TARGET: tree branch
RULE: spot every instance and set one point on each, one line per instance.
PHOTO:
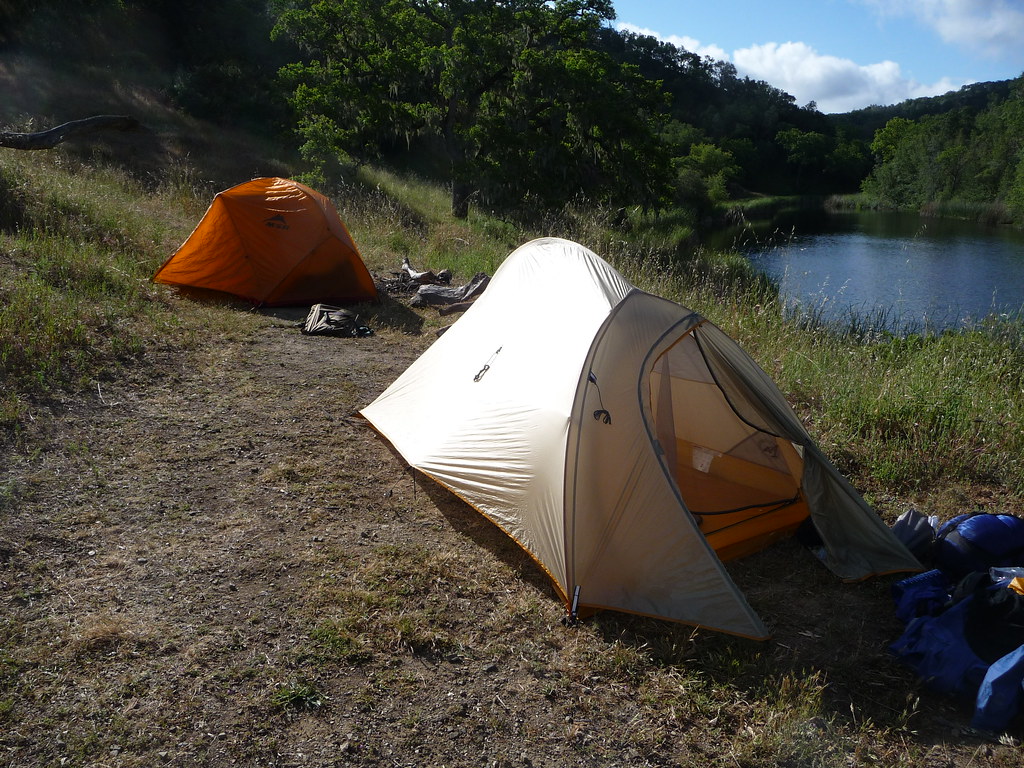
(54, 136)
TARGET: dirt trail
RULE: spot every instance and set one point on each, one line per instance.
(178, 551)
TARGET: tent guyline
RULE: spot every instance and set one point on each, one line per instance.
(606, 507)
(487, 366)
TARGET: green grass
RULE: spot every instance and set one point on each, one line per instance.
(394, 217)
(989, 213)
(767, 206)
(297, 695)
(909, 412)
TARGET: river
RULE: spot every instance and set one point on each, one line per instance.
(902, 271)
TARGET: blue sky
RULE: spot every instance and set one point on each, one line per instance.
(845, 54)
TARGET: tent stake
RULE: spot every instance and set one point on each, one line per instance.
(574, 612)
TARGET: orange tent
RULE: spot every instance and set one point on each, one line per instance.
(274, 242)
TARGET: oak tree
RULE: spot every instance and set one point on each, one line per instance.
(515, 91)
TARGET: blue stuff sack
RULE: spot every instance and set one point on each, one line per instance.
(1001, 692)
(934, 647)
(924, 594)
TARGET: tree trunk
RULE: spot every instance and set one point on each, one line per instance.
(54, 136)
(461, 192)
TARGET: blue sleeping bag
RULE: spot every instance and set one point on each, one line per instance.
(978, 541)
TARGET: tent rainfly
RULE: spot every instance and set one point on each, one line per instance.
(624, 441)
(274, 242)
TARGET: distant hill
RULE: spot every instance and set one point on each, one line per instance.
(862, 123)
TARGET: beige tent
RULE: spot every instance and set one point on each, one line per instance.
(625, 442)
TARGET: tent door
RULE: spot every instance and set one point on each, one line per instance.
(740, 482)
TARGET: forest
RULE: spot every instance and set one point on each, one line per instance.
(525, 107)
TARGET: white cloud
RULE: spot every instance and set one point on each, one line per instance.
(993, 27)
(687, 43)
(835, 84)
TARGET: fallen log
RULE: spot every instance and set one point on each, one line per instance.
(50, 138)
(427, 277)
(452, 309)
(439, 295)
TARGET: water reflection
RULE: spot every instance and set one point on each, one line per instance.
(919, 274)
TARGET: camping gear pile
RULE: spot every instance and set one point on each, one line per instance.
(447, 299)
(327, 320)
(624, 441)
(409, 280)
(964, 618)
